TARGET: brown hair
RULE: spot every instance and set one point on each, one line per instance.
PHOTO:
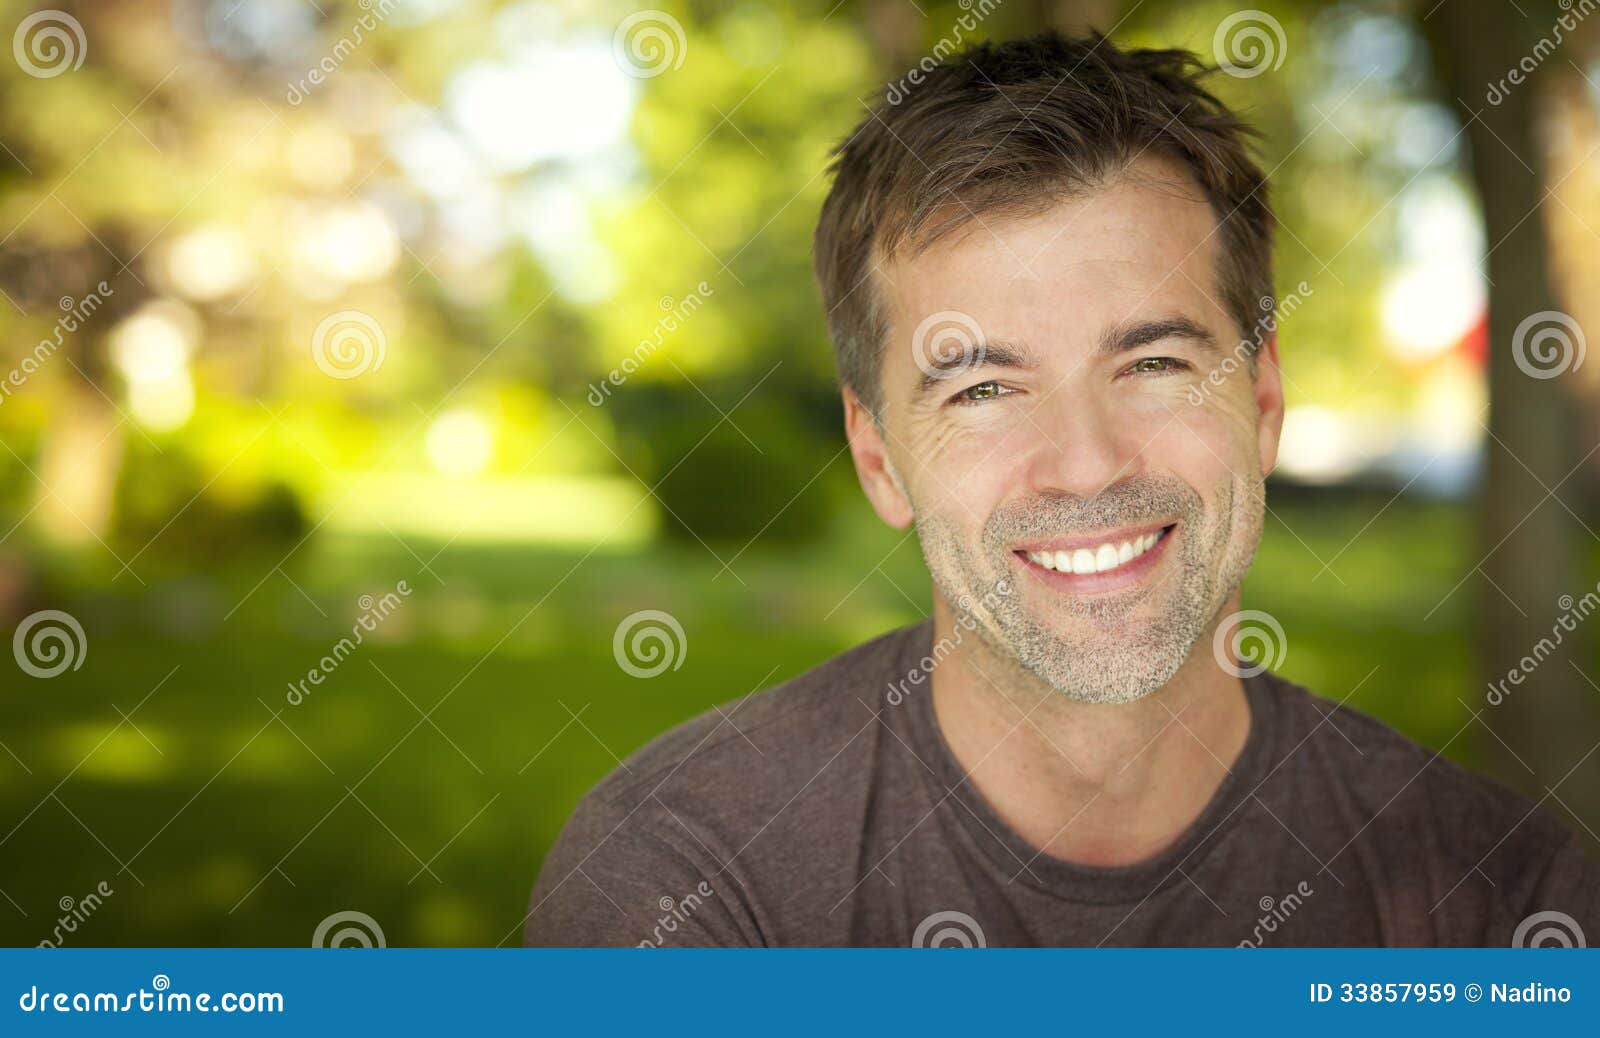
(1013, 127)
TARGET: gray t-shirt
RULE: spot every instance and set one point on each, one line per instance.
(829, 811)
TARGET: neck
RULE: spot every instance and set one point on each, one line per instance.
(1095, 784)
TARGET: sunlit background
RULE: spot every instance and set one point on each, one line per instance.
(478, 327)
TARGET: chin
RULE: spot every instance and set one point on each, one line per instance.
(1106, 678)
(1094, 673)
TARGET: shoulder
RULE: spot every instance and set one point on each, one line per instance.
(710, 807)
(1399, 792)
(769, 738)
(713, 783)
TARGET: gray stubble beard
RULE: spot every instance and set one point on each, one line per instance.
(1121, 658)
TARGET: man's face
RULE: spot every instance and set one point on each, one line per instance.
(1084, 481)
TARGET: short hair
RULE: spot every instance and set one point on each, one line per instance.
(1015, 127)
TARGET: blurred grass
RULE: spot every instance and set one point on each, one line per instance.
(245, 829)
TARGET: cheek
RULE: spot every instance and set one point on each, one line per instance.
(1209, 447)
(1213, 449)
(1223, 425)
(951, 547)
(1150, 411)
(965, 462)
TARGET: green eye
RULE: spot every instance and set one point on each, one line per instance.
(1158, 366)
(980, 392)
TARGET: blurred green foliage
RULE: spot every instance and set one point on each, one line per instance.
(212, 506)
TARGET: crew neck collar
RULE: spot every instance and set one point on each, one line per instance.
(1006, 850)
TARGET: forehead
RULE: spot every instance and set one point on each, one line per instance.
(1142, 243)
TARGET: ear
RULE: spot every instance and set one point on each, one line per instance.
(873, 467)
(1269, 403)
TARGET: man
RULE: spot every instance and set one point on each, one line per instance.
(1048, 280)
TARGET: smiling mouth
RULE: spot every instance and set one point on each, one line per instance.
(1105, 557)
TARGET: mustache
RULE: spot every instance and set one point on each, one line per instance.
(1130, 502)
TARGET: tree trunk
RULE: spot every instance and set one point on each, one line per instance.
(1530, 572)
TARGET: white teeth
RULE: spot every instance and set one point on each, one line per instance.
(1106, 557)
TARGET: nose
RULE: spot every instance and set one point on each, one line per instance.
(1077, 447)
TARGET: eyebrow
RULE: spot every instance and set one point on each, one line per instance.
(1132, 335)
(995, 353)
(1000, 353)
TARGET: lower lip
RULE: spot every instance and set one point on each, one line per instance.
(1124, 576)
